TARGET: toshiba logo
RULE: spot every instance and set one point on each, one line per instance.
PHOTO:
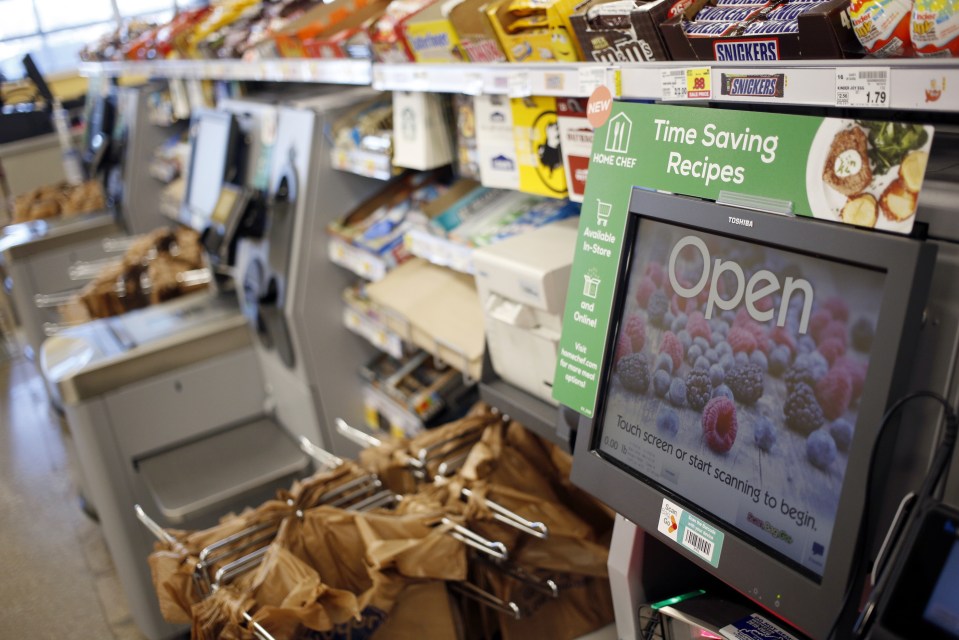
(742, 222)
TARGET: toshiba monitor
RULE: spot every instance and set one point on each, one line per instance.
(749, 360)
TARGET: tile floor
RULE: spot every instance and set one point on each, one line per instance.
(57, 580)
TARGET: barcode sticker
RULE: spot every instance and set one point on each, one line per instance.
(862, 87)
(700, 545)
(691, 532)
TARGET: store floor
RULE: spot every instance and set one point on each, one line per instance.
(57, 580)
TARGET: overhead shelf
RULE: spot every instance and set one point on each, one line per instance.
(909, 84)
(343, 71)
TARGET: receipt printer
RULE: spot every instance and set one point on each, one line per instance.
(522, 283)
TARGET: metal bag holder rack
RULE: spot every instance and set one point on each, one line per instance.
(222, 561)
(86, 270)
(451, 455)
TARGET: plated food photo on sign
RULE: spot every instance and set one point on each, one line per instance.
(867, 173)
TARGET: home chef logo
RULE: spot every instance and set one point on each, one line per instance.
(763, 283)
(747, 50)
(619, 129)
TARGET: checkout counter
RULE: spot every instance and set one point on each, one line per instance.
(200, 406)
(46, 260)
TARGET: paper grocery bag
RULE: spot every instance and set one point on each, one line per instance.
(220, 616)
(290, 596)
(424, 611)
(172, 570)
(415, 545)
(584, 605)
(389, 462)
(309, 491)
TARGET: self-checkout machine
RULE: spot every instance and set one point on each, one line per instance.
(168, 406)
(46, 261)
(732, 366)
(287, 280)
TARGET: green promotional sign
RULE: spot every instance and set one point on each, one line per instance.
(849, 171)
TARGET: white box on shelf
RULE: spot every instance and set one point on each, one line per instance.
(495, 146)
(422, 137)
(522, 283)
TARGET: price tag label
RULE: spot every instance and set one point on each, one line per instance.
(687, 84)
(420, 80)
(473, 84)
(589, 79)
(862, 87)
(518, 85)
(379, 78)
(496, 83)
(673, 84)
(698, 84)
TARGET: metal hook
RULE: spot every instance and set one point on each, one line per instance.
(471, 591)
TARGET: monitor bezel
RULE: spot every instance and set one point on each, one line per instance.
(230, 170)
(777, 587)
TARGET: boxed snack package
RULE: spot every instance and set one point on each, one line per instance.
(522, 28)
(422, 135)
(576, 137)
(376, 227)
(474, 30)
(431, 35)
(223, 15)
(290, 39)
(389, 45)
(778, 31)
(348, 38)
(495, 147)
(467, 154)
(512, 214)
(538, 150)
(562, 36)
(623, 30)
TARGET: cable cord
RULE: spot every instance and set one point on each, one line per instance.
(933, 476)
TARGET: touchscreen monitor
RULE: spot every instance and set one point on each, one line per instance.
(737, 381)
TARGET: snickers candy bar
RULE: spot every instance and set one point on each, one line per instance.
(725, 14)
(771, 28)
(741, 3)
(709, 29)
(786, 11)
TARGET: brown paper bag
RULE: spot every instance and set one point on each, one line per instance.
(424, 611)
(172, 570)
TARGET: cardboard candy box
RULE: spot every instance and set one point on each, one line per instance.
(475, 32)
(623, 37)
(822, 31)
(534, 30)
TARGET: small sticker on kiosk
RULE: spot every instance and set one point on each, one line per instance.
(691, 532)
(770, 85)
(754, 627)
